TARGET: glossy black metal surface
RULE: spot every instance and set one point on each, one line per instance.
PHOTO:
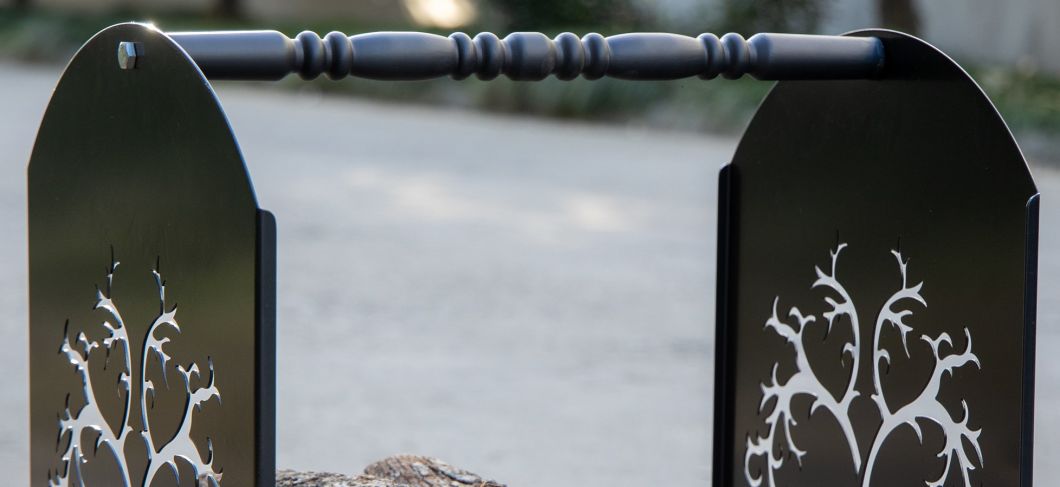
(918, 163)
(139, 166)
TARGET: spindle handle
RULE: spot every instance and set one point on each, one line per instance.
(270, 55)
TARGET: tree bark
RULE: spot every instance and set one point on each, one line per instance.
(396, 471)
(228, 8)
(899, 15)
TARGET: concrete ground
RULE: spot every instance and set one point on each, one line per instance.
(531, 300)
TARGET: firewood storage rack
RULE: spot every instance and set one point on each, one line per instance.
(875, 179)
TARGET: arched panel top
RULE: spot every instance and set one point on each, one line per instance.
(160, 116)
(922, 103)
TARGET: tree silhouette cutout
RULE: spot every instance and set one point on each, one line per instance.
(86, 429)
(804, 382)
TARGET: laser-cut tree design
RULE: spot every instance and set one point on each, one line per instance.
(87, 429)
(804, 382)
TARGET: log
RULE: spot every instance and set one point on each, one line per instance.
(396, 471)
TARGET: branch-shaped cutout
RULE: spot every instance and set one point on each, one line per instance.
(88, 420)
(925, 408)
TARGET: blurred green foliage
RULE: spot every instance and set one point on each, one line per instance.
(690, 104)
(1029, 100)
(523, 15)
(52, 35)
(752, 16)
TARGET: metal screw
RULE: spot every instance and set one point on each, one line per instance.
(127, 54)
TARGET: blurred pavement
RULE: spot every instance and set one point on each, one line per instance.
(531, 300)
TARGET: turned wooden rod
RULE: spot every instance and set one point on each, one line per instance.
(270, 55)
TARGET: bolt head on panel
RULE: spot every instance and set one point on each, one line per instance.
(127, 54)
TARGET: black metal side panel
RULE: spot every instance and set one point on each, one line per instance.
(723, 338)
(1030, 323)
(265, 378)
(879, 299)
(150, 280)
